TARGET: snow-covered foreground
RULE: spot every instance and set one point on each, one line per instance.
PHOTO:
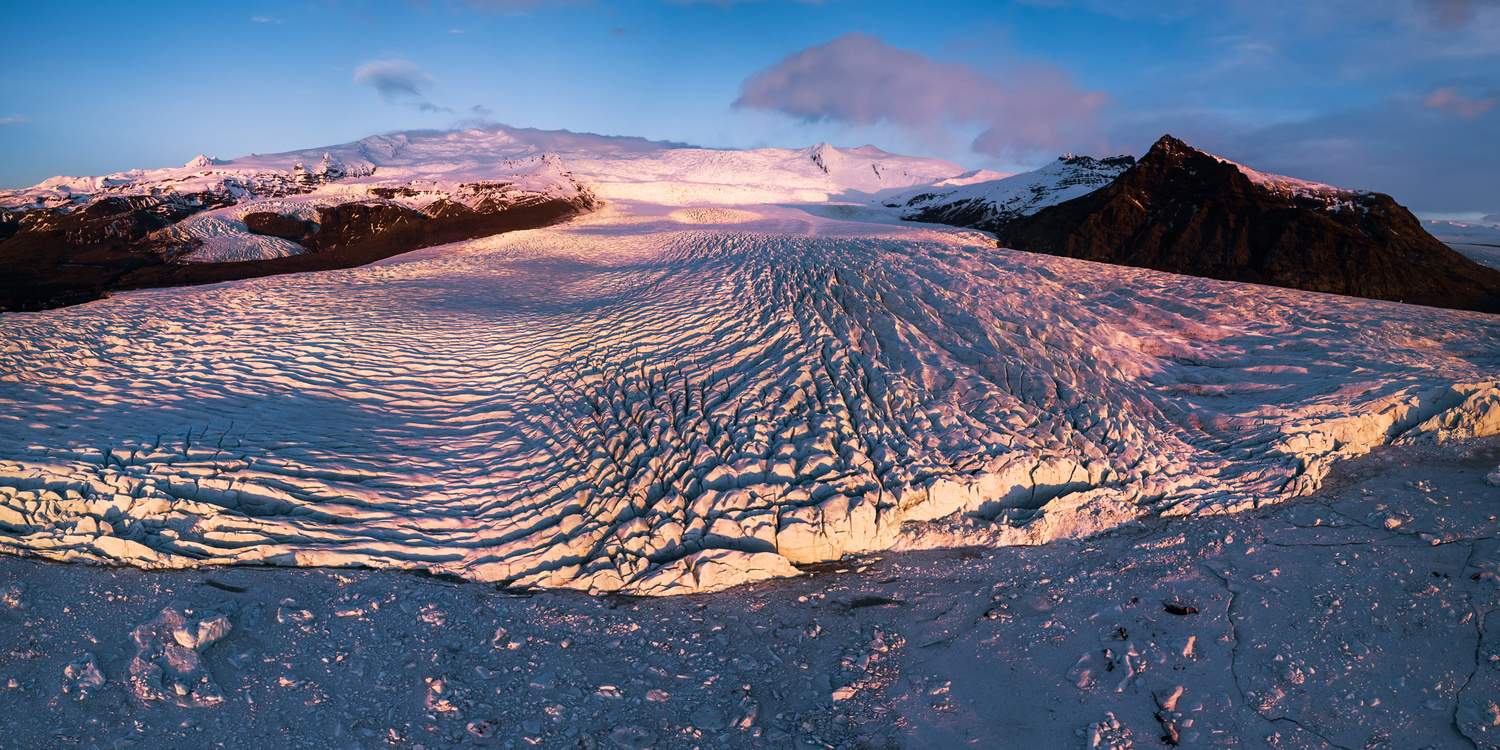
(1364, 616)
(658, 399)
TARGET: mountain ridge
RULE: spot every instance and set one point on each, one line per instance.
(1181, 210)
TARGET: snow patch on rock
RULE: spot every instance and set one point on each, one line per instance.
(989, 204)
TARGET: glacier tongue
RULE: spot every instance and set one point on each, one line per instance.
(662, 401)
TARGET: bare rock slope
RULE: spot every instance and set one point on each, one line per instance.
(1184, 211)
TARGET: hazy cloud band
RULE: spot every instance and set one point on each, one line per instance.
(860, 80)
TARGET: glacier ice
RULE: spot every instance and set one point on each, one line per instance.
(670, 395)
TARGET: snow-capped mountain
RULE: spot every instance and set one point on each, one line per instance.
(991, 204)
(72, 239)
(665, 175)
(1184, 211)
(409, 189)
(428, 163)
(425, 173)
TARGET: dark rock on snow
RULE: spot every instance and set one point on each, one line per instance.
(277, 225)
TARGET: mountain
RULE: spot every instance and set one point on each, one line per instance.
(74, 239)
(991, 205)
(1181, 210)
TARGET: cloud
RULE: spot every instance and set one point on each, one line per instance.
(477, 116)
(393, 78)
(398, 81)
(1443, 14)
(1447, 14)
(857, 79)
(12, 120)
(511, 7)
(264, 19)
(1467, 107)
(732, 2)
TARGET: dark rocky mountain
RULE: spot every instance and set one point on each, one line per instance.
(1183, 211)
(53, 257)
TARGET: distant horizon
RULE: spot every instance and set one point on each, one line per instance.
(1397, 96)
(1477, 218)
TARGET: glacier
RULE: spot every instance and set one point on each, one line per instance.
(743, 363)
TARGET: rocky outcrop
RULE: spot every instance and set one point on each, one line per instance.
(58, 257)
(1184, 211)
(277, 225)
(53, 257)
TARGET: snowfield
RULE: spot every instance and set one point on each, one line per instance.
(668, 398)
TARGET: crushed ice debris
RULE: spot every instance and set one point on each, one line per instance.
(632, 738)
(82, 677)
(168, 665)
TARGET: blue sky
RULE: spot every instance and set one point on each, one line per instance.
(1393, 95)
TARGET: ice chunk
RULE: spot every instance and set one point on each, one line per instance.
(167, 665)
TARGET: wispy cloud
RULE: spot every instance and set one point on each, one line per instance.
(264, 19)
(477, 116)
(1450, 101)
(12, 120)
(511, 7)
(522, 6)
(1443, 14)
(732, 2)
(860, 80)
(1447, 14)
(398, 81)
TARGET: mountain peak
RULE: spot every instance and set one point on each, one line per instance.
(1172, 151)
(1171, 144)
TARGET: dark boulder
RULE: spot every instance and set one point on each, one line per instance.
(277, 225)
